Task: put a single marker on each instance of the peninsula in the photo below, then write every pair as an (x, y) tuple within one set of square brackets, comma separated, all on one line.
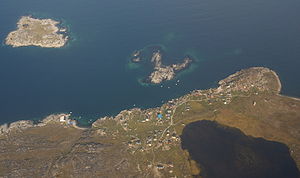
[(37, 32), (246, 108)]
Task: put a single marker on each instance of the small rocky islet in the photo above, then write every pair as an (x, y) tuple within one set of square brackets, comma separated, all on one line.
[(148, 142), (160, 72), (152, 142), (37, 32)]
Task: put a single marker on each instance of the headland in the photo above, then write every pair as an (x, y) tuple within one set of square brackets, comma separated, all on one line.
[(148, 142)]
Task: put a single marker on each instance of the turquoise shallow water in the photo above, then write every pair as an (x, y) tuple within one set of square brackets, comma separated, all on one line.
[(90, 76)]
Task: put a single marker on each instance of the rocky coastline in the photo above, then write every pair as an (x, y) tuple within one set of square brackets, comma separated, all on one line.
[(61, 119), (258, 78), (147, 142), (37, 32)]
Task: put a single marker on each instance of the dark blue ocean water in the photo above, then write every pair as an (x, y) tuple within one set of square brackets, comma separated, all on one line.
[(90, 76)]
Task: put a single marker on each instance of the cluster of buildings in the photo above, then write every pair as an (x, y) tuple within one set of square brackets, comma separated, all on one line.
[(212, 95), (157, 139), (65, 119)]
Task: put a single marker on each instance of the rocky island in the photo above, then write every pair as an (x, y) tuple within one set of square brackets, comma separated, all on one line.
[(162, 72), (260, 129), (136, 56), (152, 56), (37, 32)]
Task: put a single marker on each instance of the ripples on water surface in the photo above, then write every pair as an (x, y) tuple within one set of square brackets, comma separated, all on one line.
[(90, 76)]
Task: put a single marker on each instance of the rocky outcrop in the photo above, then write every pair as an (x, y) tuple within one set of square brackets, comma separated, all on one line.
[(162, 72), (138, 143), (136, 56), (37, 32), (15, 126), (25, 124)]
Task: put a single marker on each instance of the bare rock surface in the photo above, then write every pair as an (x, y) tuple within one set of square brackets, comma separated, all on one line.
[(37, 32), (162, 72)]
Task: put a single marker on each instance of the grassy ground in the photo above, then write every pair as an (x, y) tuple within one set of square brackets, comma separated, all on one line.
[(139, 144)]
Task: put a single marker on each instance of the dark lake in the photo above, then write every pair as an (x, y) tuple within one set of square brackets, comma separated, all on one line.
[(91, 76), (224, 152)]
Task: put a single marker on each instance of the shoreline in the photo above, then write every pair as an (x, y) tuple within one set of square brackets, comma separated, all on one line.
[(278, 81), (57, 118), (280, 87), (45, 33), (62, 119)]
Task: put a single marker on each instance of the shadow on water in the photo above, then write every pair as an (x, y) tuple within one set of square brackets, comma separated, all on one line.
[(224, 152)]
